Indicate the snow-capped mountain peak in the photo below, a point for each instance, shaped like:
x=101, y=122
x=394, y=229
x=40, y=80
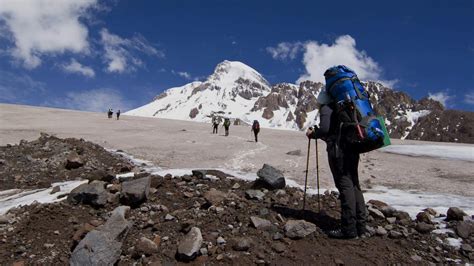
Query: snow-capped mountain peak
x=227, y=73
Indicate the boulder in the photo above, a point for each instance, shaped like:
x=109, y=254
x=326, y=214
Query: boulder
x=73, y=161
x=100, y=175
x=103, y=245
x=296, y=229
x=423, y=217
x=146, y=246
x=377, y=203
x=375, y=213
x=135, y=192
x=259, y=223
x=93, y=194
x=455, y=214
x=424, y=228
x=190, y=245
x=388, y=211
x=199, y=174
x=401, y=215
x=156, y=181
x=241, y=244
x=380, y=231
x=465, y=228
x=270, y=178
x=3, y=219
x=214, y=196
x=256, y=194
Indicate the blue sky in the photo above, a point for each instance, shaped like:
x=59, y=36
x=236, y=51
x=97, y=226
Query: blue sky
x=91, y=54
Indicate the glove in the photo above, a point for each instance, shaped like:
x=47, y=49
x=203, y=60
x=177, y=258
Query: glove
x=309, y=132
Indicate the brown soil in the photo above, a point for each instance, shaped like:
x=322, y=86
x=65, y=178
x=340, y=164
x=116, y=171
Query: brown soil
x=39, y=163
x=31, y=238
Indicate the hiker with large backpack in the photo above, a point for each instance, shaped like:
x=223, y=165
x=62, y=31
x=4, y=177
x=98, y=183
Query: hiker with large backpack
x=349, y=126
x=226, y=126
x=255, y=129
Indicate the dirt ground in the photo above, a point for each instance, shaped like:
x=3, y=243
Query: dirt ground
x=182, y=144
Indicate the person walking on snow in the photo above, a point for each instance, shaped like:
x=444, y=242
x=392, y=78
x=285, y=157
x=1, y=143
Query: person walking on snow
x=344, y=163
x=255, y=129
x=118, y=114
x=215, y=124
x=226, y=126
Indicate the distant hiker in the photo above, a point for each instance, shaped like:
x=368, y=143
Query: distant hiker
x=118, y=114
x=255, y=129
x=110, y=113
x=215, y=124
x=226, y=126
x=349, y=127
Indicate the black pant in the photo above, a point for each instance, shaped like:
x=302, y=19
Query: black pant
x=255, y=132
x=214, y=130
x=226, y=130
x=344, y=168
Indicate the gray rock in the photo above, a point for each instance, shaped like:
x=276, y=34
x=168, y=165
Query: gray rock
x=200, y=174
x=388, y=211
x=73, y=161
x=260, y=223
x=375, y=213
x=220, y=241
x=395, y=234
x=466, y=247
x=135, y=192
x=278, y=247
x=465, y=228
x=189, y=247
x=296, y=229
x=423, y=217
x=416, y=258
x=455, y=214
x=391, y=220
x=3, y=219
x=169, y=217
x=295, y=153
x=55, y=189
x=103, y=245
x=270, y=178
x=214, y=196
x=277, y=236
x=146, y=246
x=236, y=186
x=380, y=231
x=401, y=215
x=254, y=194
x=242, y=244
x=424, y=228
x=93, y=194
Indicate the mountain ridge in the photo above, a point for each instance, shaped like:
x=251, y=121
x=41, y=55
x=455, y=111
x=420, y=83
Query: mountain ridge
x=238, y=91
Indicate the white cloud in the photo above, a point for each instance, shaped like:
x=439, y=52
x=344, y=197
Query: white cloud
x=319, y=57
x=98, y=100
x=76, y=67
x=443, y=97
x=121, y=53
x=38, y=27
x=285, y=50
x=469, y=97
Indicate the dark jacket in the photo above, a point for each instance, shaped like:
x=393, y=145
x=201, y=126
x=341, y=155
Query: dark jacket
x=327, y=130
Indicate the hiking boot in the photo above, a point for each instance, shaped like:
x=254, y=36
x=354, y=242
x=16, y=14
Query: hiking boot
x=363, y=232
x=339, y=234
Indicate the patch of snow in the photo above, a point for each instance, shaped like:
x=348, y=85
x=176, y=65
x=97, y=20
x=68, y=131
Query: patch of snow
x=413, y=201
x=454, y=242
x=458, y=152
x=27, y=197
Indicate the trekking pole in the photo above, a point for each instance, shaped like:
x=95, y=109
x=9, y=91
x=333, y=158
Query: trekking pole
x=306, y=177
x=317, y=174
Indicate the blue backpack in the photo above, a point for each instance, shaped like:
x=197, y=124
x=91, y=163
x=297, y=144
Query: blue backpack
x=359, y=126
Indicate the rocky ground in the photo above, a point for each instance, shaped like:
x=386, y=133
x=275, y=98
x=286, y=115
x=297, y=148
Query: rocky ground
x=37, y=164
x=209, y=217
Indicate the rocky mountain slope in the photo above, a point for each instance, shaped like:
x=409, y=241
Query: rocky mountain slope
x=208, y=217
x=238, y=91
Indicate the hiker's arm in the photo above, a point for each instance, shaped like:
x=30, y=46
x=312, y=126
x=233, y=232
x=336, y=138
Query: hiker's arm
x=324, y=123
